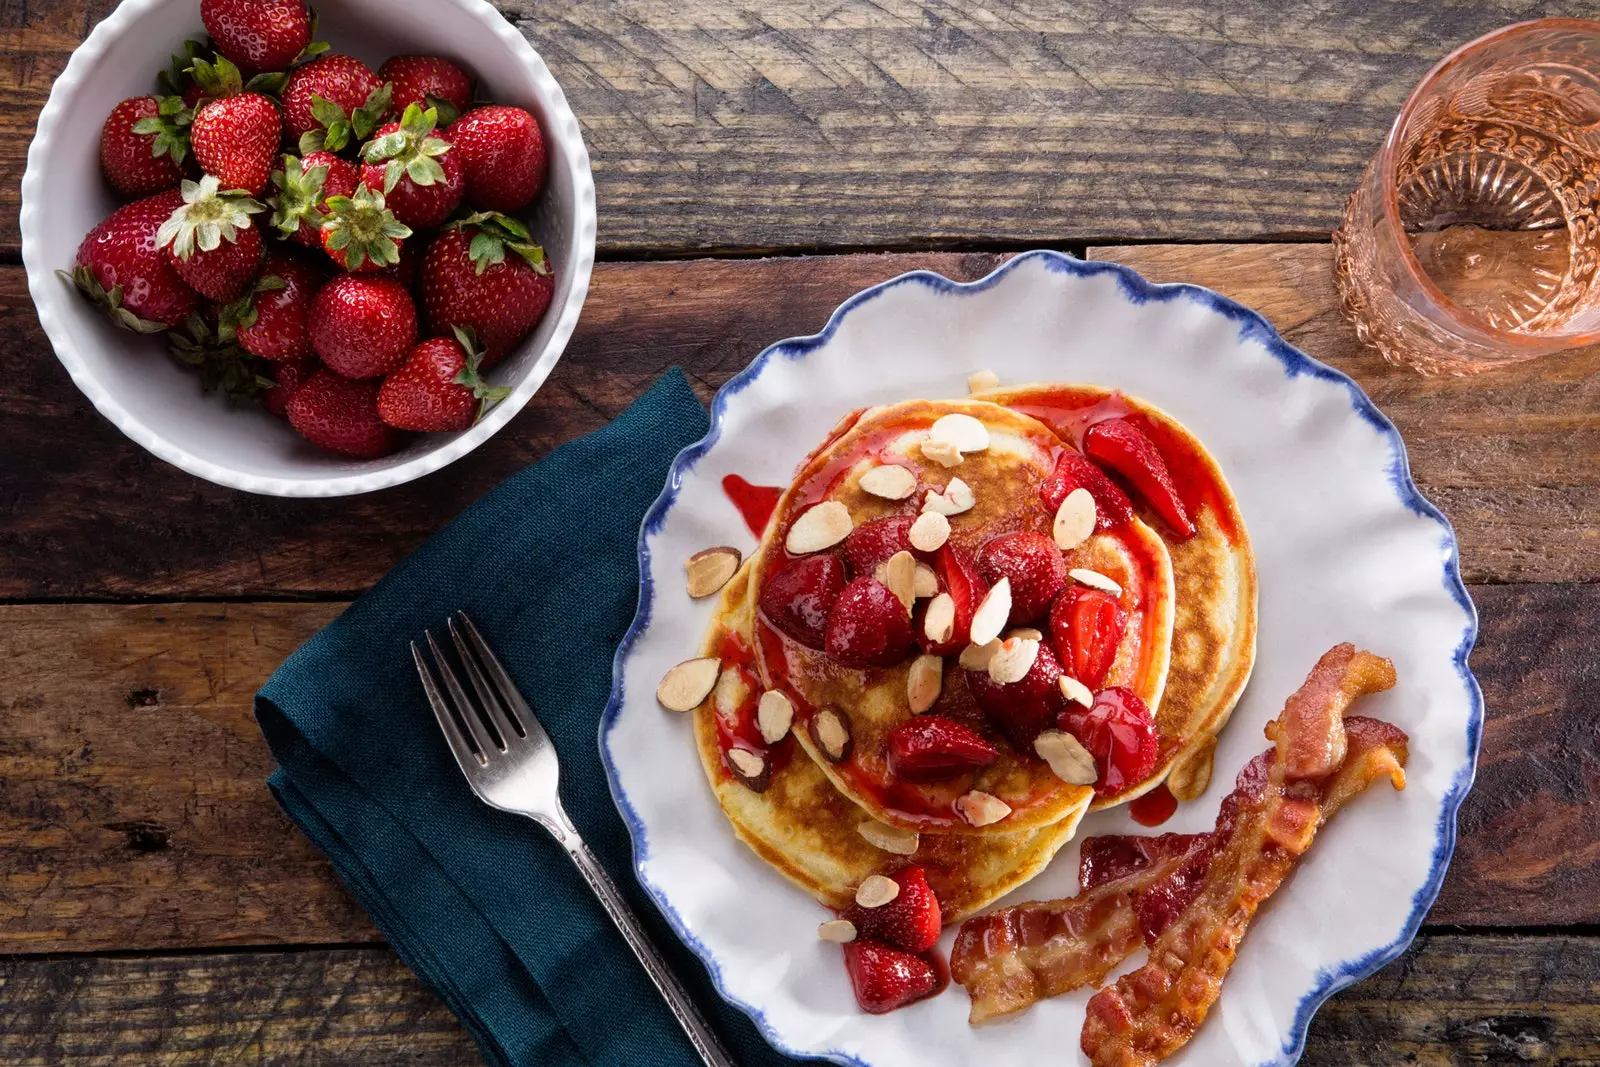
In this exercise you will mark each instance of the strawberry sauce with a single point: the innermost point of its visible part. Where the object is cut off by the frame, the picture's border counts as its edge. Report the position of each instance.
(742, 731)
(756, 503)
(1154, 808)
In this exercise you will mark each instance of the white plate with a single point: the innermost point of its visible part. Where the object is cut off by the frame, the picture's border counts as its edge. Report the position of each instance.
(1347, 550)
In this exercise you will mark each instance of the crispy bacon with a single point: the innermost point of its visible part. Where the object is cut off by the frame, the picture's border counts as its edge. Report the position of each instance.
(1310, 732)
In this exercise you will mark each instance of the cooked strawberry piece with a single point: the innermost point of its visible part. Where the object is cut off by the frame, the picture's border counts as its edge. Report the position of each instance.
(797, 599)
(911, 921)
(927, 747)
(885, 978)
(1075, 471)
(1120, 733)
(1021, 709)
(958, 575)
(868, 626)
(874, 542)
(1123, 447)
(1087, 627)
(1035, 566)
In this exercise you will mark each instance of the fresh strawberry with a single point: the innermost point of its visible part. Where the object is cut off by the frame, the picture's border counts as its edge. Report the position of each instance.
(361, 233)
(470, 280)
(958, 575)
(144, 144)
(236, 139)
(1035, 566)
(911, 921)
(215, 355)
(363, 325)
(502, 152)
(926, 747)
(1021, 709)
(438, 389)
(1086, 628)
(211, 240)
(1075, 471)
(874, 542)
(333, 102)
(299, 207)
(270, 322)
(798, 598)
(287, 378)
(1120, 733)
(868, 626)
(258, 35)
(427, 81)
(120, 267)
(418, 171)
(341, 415)
(1123, 447)
(885, 978)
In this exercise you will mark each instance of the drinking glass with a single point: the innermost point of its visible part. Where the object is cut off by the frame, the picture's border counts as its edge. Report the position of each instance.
(1473, 241)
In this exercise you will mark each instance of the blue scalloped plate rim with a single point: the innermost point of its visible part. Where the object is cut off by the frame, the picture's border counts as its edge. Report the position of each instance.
(1252, 326)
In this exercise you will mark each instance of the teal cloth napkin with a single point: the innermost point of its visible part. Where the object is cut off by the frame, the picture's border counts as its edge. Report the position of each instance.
(484, 906)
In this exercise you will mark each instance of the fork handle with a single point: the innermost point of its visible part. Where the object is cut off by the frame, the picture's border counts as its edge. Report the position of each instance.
(689, 1017)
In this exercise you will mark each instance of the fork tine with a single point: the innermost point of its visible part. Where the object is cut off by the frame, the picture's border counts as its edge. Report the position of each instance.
(470, 716)
(465, 755)
(510, 730)
(505, 688)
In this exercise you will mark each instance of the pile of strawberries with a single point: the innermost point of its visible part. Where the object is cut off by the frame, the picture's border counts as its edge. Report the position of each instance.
(298, 223)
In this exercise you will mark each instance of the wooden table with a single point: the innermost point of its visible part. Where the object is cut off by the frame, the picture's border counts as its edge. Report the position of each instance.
(757, 162)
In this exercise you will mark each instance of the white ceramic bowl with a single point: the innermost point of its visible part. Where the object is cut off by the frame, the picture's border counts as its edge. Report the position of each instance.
(131, 380)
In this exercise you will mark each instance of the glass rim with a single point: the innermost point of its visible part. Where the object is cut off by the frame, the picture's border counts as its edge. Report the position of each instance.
(1388, 173)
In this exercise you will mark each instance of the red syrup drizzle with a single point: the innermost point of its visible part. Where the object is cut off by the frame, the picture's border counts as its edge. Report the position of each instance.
(742, 731)
(756, 503)
(1154, 808)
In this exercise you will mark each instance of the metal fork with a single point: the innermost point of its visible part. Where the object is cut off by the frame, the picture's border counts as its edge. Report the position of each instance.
(510, 763)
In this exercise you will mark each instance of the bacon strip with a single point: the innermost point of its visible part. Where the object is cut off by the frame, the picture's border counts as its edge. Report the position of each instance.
(1310, 732)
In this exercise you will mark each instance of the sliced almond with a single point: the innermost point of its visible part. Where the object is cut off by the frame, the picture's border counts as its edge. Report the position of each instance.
(889, 838)
(956, 499)
(926, 583)
(710, 570)
(902, 577)
(1068, 759)
(750, 768)
(939, 621)
(923, 683)
(1076, 692)
(1075, 519)
(731, 693)
(819, 527)
(982, 809)
(982, 381)
(889, 481)
(1013, 661)
(1027, 633)
(830, 729)
(963, 431)
(1094, 580)
(686, 686)
(774, 716)
(943, 453)
(977, 657)
(875, 891)
(838, 931)
(1191, 772)
(990, 618)
(929, 532)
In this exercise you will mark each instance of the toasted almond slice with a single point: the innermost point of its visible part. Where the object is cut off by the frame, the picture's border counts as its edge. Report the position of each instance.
(1013, 661)
(750, 768)
(1191, 772)
(819, 527)
(963, 431)
(838, 931)
(710, 570)
(731, 693)
(943, 453)
(982, 381)
(1027, 633)
(889, 481)
(923, 683)
(1075, 519)
(955, 500)
(1094, 580)
(1068, 759)
(982, 809)
(686, 686)
(926, 583)
(875, 891)
(830, 729)
(939, 621)
(774, 716)
(990, 618)
(1076, 692)
(889, 838)
(929, 532)
(902, 577)
(977, 657)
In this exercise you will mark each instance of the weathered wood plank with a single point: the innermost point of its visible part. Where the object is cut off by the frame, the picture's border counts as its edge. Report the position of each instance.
(822, 124)
(133, 812)
(1451, 999)
(1514, 457)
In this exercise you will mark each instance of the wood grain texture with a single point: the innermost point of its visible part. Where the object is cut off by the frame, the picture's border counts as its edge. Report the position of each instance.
(1513, 457)
(133, 811)
(1451, 999)
(812, 124)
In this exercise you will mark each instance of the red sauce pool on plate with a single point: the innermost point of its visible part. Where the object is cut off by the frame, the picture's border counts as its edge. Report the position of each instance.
(755, 502)
(1154, 808)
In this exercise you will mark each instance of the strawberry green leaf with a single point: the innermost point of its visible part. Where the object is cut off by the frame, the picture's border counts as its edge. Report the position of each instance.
(268, 84)
(448, 112)
(370, 116)
(207, 217)
(299, 196)
(110, 302)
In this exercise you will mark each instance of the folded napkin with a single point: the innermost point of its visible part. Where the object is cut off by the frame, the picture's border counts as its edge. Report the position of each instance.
(484, 906)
